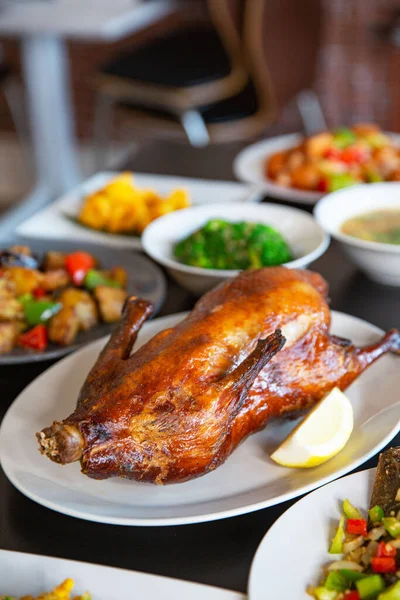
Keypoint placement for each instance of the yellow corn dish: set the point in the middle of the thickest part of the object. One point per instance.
(61, 592)
(121, 207)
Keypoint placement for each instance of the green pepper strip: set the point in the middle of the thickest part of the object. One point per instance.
(40, 311)
(94, 278)
(392, 526)
(336, 581)
(322, 593)
(376, 514)
(350, 511)
(392, 593)
(337, 542)
(370, 587)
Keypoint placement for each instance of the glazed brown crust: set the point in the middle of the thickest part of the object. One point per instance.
(179, 405)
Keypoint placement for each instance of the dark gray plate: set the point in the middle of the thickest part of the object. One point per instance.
(145, 279)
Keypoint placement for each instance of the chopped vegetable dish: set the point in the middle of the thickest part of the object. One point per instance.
(53, 299)
(331, 160)
(223, 245)
(370, 566)
(121, 207)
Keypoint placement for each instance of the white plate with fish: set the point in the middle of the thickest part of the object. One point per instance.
(30, 575)
(248, 481)
(60, 219)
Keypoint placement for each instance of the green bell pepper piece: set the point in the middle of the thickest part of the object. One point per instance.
(376, 514)
(370, 587)
(40, 311)
(352, 576)
(94, 278)
(392, 526)
(376, 140)
(343, 137)
(350, 511)
(336, 581)
(25, 298)
(322, 593)
(392, 593)
(373, 176)
(337, 542)
(338, 181)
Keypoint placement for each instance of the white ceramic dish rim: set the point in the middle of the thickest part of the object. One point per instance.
(205, 517)
(348, 239)
(58, 218)
(95, 575)
(275, 144)
(254, 565)
(174, 264)
(272, 145)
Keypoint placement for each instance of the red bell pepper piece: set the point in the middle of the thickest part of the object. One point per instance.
(39, 293)
(334, 153)
(78, 264)
(354, 595)
(357, 526)
(384, 549)
(352, 155)
(383, 564)
(323, 185)
(35, 339)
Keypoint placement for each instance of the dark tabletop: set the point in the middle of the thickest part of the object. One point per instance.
(217, 553)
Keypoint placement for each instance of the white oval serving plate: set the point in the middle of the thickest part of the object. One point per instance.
(248, 481)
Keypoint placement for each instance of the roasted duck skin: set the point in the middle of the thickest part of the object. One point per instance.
(179, 406)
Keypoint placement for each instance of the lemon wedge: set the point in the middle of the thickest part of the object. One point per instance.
(320, 435)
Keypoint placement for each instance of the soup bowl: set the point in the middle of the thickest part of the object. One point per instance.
(379, 261)
(306, 238)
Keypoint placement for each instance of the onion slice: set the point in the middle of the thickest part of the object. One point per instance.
(376, 533)
(345, 564)
(370, 551)
(353, 544)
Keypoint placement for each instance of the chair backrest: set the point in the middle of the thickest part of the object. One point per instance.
(227, 18)
(281, 40)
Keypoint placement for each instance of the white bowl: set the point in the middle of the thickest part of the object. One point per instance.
(380, 262)
(306, 238)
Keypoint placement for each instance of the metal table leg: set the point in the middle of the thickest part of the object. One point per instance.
(51, 123)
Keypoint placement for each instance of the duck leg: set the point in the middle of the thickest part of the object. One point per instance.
(64, 442)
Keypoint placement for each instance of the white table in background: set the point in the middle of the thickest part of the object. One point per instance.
(43, 26)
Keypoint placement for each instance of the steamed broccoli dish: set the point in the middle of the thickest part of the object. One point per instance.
(223, 245)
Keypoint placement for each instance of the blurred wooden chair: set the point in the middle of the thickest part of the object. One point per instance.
(189, 67)
(278, 44)
(13, 93)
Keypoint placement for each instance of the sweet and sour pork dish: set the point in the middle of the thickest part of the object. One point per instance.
(331, 160)
(254, 348)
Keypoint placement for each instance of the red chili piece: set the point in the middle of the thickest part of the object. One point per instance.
(384, 549)
(357, 526)
(352, 155)
(39, 293)
(78, 264)
(35, 338)
(354, 595)
(383, 564)
(323, 185)
(334, 153)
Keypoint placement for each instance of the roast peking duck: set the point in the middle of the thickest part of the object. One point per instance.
(254, 348)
